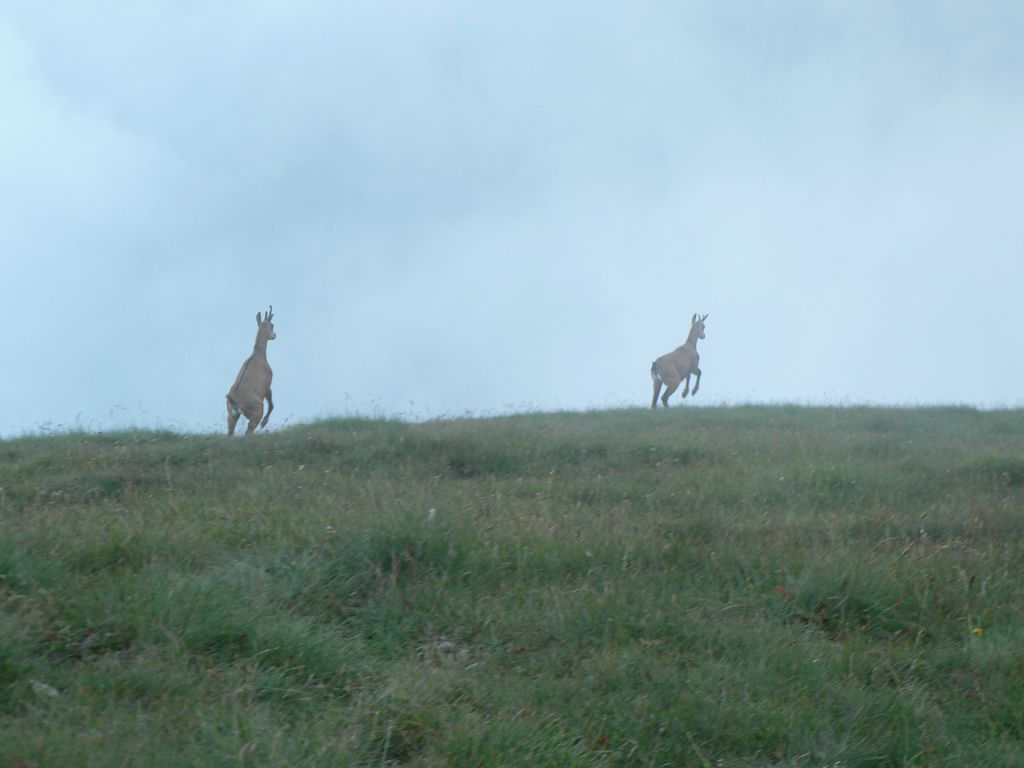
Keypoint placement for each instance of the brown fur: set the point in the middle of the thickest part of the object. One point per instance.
(252, 385)
(676, 366)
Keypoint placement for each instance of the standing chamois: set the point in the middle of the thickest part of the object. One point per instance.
(253, 382)
(672, 368)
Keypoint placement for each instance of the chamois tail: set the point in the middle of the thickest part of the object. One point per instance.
(656, 379)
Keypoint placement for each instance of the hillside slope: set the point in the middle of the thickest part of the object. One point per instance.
(736, 586)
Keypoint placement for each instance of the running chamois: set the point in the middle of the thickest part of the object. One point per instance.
(252, 384)
(673, 368)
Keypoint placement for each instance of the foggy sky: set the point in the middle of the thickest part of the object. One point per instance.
(458, 207)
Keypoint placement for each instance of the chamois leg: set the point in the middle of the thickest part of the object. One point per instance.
(696, 384)
(233, 414)
(270, 407)
(657, 390)
(686, 387)
(253, 415)
(669, 389)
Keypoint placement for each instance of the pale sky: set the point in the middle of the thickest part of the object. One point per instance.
(461, 207)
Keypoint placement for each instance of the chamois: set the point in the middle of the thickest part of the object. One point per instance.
(252, 384)
(676, 366)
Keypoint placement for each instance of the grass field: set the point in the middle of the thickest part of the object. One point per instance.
(749, 586)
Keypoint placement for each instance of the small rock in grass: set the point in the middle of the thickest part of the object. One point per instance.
(42, 689)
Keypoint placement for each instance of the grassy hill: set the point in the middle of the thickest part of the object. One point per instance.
(745, 586)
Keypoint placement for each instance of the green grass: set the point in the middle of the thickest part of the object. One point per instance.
(752, 586)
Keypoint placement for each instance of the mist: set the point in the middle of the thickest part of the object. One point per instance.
(457, 209)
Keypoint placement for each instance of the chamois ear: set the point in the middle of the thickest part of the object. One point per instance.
(259, 318)
(693, 319)
(270, 312)
(704, 318)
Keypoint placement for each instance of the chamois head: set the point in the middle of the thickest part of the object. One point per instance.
(697, 324)
(266, 325)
